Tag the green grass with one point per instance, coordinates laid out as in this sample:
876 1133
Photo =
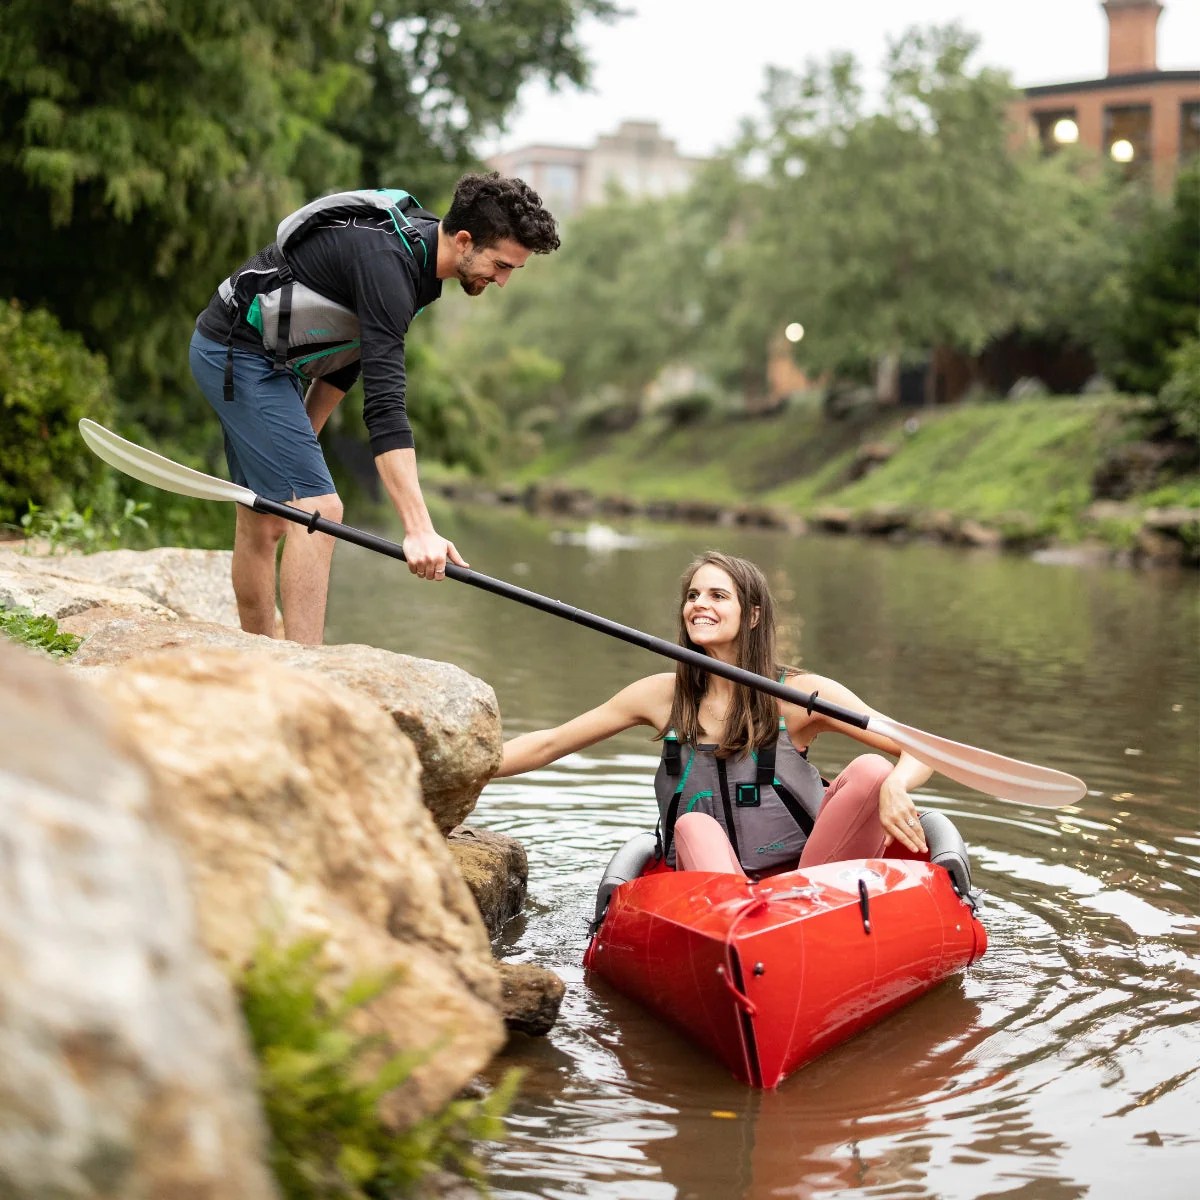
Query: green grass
1025 467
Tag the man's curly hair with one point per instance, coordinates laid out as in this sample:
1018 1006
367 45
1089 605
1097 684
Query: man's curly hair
491 208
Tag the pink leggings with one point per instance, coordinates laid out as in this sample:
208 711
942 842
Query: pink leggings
846 827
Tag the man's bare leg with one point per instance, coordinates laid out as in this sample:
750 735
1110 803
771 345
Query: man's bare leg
255 540
304 573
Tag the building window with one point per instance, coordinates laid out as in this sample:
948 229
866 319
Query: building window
1127 137
1189 129
1056 128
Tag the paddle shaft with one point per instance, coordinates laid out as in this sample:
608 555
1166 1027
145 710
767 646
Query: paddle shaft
315 523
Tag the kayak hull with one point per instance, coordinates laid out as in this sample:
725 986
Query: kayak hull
767 975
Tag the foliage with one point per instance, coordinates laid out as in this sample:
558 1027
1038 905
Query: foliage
147 147
1179 399
897 226
68 528
518 381
41 633
886 231
321 1084
1162 282
441 72
48 381
608 311
1021 466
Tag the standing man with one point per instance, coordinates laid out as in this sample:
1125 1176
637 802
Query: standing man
331 298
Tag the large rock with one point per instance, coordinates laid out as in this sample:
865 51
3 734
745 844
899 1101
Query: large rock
49 587
452 717
496 869
188 583
532 998
125 1070
299 805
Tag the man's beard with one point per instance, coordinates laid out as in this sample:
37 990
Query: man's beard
473 285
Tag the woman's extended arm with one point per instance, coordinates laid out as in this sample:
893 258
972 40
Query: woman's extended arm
897 810
646 702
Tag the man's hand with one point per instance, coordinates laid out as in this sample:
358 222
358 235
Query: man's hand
427 554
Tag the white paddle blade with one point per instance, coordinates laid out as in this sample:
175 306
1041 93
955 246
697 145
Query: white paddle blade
158 471
992 774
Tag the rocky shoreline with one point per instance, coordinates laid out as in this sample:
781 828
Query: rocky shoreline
1163 537
173 790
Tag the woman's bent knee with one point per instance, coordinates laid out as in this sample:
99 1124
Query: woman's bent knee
701 845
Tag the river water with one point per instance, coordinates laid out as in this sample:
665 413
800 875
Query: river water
1065 1063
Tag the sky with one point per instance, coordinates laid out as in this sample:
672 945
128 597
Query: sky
697 67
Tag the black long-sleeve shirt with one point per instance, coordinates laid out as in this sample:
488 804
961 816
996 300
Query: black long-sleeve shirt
362 264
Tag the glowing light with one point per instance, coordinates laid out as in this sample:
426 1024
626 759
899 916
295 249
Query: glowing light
1122 150
1066 132
794 332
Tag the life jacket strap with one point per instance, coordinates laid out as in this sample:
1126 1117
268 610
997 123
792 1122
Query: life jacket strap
672 759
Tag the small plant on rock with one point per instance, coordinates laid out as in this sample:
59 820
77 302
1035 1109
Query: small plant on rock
321 1083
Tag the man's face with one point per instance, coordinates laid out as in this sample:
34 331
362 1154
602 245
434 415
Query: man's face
477 268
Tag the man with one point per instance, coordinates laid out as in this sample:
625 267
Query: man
333 297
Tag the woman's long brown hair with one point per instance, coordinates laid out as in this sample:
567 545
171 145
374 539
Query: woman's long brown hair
753 716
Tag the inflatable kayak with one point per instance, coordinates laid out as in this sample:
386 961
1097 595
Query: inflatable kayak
765 975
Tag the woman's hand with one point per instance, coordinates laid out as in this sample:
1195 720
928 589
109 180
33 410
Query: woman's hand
898 815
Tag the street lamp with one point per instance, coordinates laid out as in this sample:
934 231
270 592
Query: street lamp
794 332
1065 132
1122 150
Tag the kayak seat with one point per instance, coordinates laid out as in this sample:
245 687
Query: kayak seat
628 863
948 850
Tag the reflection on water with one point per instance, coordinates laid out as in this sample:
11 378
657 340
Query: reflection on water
1066 1062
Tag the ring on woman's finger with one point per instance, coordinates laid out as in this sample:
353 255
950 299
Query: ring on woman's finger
910 820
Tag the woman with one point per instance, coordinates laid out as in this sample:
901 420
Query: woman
735 789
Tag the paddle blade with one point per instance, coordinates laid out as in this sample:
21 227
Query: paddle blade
158 471
993 774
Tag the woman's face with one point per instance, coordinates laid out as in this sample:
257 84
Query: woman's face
712 613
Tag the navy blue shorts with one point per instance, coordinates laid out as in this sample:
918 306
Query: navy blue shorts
269 441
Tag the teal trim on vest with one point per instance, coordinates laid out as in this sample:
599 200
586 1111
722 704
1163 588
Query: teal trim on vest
297 364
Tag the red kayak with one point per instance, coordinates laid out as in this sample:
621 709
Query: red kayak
767 975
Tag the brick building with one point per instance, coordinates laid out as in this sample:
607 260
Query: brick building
1142 118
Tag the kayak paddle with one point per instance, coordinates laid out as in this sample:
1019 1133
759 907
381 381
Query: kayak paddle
994 774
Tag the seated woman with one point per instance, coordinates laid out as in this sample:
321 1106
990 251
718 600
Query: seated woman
735 789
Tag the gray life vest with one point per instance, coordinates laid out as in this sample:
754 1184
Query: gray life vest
766 800
304 331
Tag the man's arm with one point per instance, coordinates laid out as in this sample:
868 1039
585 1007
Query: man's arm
321 398
424 548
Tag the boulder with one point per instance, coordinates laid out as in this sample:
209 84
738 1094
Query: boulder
50 587
298 803
195 584
532 998
452 717
496 869
126 1070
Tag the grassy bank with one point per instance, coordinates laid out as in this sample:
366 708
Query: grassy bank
1027 467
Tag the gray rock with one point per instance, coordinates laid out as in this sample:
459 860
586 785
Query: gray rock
126 1071
452 717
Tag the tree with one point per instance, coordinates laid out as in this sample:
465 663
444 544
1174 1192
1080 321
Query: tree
610 312
148 145
1162 290
886 233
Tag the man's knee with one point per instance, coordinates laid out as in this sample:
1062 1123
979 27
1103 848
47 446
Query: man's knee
260 531
329 506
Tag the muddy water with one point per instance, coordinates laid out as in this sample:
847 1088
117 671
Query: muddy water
1066 1063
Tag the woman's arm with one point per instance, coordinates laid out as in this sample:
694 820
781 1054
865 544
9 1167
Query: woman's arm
641 703
897 810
